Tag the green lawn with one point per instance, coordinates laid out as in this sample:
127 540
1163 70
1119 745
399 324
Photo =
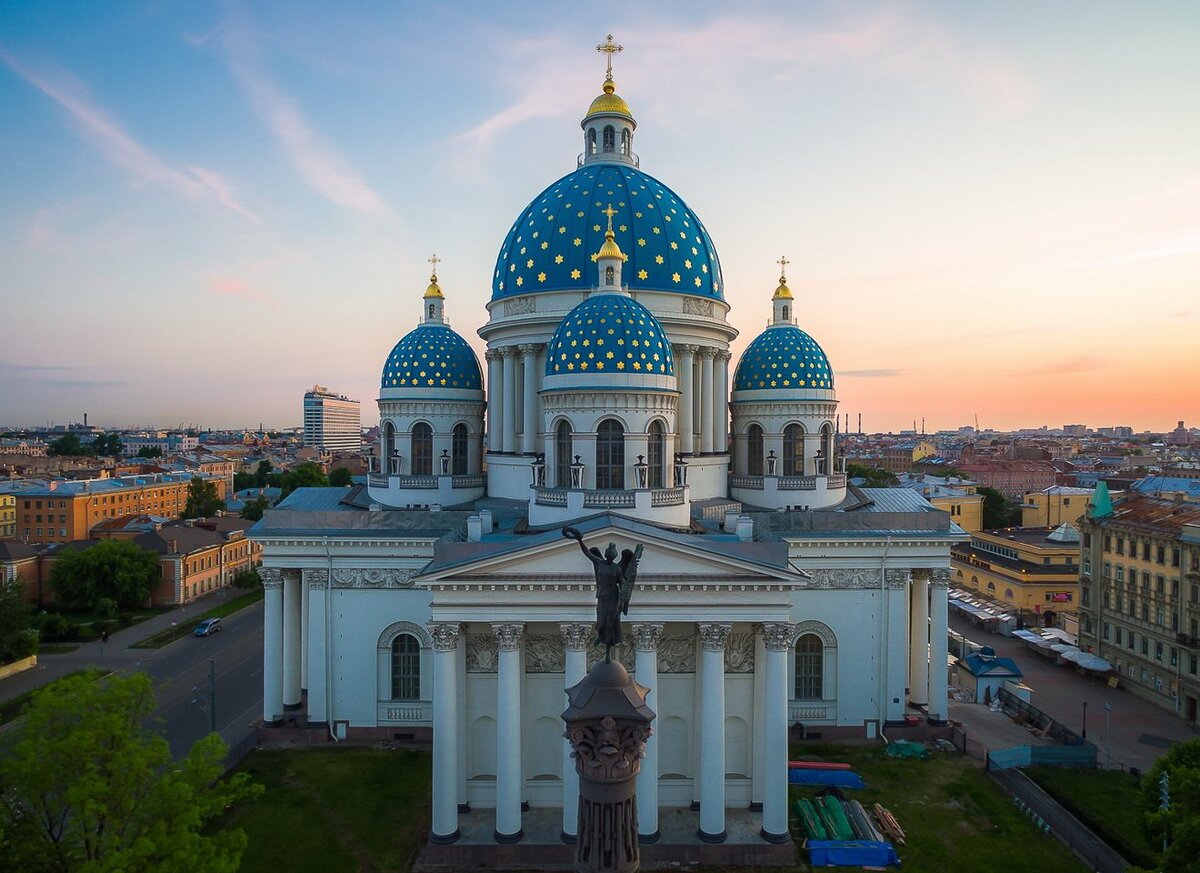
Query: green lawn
171 634
1107 801
11 708
337 809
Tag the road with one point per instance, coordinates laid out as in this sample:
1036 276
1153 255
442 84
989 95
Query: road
1140 731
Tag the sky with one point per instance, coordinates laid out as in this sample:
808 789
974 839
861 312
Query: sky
990 209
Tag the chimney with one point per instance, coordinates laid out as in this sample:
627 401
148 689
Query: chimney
173 546
745 528
485 516
474 529
731 518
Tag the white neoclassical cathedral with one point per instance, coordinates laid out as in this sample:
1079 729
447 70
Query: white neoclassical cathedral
442 601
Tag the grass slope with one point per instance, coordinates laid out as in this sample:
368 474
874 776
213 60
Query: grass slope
1107 801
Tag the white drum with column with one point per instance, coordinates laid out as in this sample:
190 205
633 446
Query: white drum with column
712 731
777 642
291 640
939 586
919 662
272 580
444 828
509 773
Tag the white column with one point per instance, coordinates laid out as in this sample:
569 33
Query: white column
720 401
303 634
777 639
712 732
444 828
510 399
706 400
272 580
463 704
645 644
938 593
291 639
509 772
315 582
760 691
896 660
918 648
529 423
576 638
686 420
495 400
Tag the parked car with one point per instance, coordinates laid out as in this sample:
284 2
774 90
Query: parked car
208 627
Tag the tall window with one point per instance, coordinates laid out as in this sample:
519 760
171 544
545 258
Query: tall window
625 142
656 449
793 450
754 451
610 455
609 275
610 139
389 449
592 141
458 450
827 448
406 668
562 455
422 449
810 667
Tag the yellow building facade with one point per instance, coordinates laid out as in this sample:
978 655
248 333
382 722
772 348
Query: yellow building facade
8 516
1036 575
1052 506
966 510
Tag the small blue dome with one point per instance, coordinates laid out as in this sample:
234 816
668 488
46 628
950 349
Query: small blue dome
550 246
783 357
432 356
610 333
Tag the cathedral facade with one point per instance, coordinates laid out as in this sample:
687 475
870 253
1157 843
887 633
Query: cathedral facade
441 600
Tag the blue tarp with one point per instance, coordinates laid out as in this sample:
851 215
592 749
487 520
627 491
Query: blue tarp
850 853
840 778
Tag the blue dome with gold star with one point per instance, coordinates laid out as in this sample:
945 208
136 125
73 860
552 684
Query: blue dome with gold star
551 244
432 356
783 357
610 333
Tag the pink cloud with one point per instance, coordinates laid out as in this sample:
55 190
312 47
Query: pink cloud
232 286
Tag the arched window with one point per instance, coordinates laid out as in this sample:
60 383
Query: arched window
562 455
591 141
458 450
406 668
827 448
625 142
754 451
386 466
610 139
793 450
610 455
785 312
992 587
656 448
422 449
810 667
431 310
609 275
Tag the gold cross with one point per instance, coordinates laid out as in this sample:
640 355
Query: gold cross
609 48
610 212
783 262
435 260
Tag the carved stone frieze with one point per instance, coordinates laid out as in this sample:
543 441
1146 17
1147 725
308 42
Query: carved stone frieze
508 636
697 306
520 306
739 653
844 577
608 750
575 636
544 653
778 636
445 635
646 636
677 654
897 578
819 628
623 653
481 653
272 577
714 636
373 577
315 578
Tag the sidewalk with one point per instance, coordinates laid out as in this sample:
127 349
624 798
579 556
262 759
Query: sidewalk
115 654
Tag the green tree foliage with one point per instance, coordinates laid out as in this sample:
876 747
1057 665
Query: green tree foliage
996 511
341 477
1181 823
261 472
67 444
242 481
872 477
18 638
115 569
247 579
89 789
307 475
202 499
254 509
149 452
107 444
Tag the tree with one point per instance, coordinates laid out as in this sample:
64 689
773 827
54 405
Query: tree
108 444
1181 823
872 477
116 569
18 638
67 444
242 481
261 472
254 510
247 579
341 477
306 475
149 452
996 512
89 788
202 499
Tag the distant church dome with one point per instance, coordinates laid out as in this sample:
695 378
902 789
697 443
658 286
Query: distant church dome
610 333
783 357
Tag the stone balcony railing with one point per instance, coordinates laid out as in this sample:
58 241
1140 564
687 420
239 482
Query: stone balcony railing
402 712
812 711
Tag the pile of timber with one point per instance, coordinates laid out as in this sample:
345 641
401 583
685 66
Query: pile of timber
889 825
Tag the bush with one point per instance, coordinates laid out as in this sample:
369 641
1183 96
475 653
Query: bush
247 579
86 633
126 620
106 607
55 628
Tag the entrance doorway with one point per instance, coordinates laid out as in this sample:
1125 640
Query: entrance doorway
1190 709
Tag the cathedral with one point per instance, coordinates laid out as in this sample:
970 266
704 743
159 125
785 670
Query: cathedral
442 602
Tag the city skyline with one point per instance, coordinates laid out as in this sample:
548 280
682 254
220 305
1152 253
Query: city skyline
986 212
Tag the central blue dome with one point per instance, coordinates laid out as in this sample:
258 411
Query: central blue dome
783 357
551 244
432 356
610 333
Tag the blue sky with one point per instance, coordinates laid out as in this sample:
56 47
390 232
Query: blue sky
989 208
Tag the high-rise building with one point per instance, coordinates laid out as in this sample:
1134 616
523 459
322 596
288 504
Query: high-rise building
332 422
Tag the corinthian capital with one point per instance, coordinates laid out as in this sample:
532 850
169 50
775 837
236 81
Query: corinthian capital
529 349
575 635
686 349
646 637
941 577
777 636
508 636
445 635
714 636
897 578
492 355
272 577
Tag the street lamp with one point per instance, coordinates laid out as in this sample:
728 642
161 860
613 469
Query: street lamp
1085 721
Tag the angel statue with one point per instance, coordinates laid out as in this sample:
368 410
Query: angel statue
614 586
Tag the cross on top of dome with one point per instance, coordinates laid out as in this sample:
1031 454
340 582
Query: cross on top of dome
609 48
